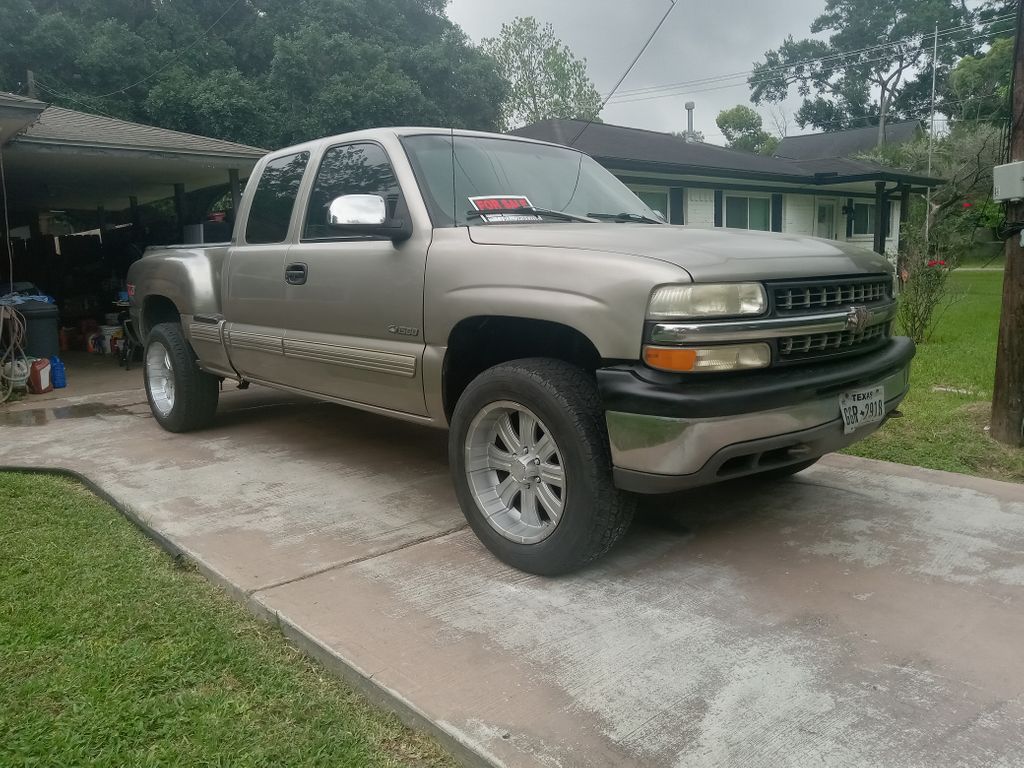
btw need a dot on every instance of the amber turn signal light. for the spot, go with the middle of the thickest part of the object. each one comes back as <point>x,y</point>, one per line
<point>670,359</point>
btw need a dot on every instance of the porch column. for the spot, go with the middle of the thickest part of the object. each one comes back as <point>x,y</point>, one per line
<point>881,217</point>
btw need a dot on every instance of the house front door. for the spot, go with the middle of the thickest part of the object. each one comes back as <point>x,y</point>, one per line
<point>825,220</point>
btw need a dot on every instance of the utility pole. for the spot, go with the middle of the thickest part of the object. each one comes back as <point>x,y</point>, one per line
<point>30,82</point>
<point>1008,392</point>
<point>931,137</point>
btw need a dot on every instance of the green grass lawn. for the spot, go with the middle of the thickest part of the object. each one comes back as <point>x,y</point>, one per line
<point>111,654</point>
<point>946,430</point>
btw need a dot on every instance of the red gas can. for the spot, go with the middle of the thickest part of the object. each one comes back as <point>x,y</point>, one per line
<point>39,377</point>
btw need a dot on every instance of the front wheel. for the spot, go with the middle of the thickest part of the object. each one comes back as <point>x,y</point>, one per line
<point>529,454</point>
<point>181,396</point>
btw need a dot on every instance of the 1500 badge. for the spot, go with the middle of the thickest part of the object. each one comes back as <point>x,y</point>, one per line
<point>403,330</point>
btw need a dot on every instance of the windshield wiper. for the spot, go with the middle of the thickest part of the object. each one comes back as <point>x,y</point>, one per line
<point>625,216</point>
<point>529,209</point>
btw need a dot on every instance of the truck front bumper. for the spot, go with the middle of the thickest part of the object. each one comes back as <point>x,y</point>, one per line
<point>669,432</point>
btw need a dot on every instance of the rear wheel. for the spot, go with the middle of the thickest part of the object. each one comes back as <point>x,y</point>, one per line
<point>529,454</point>
<point>181,396</point>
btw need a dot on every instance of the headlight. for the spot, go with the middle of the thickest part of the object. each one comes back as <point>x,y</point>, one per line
<point>712,300</point>
<point>734,357</point>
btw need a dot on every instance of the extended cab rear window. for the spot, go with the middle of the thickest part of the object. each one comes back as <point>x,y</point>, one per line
<point>274,199</point>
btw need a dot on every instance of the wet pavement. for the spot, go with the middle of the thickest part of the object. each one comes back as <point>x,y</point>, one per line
<point>860,614</point>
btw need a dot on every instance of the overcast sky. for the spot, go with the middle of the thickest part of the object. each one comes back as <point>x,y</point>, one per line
<point>701,38</point>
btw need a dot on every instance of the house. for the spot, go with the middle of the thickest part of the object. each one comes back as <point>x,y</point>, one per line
<point>849,143</point>
<point>706,185</point>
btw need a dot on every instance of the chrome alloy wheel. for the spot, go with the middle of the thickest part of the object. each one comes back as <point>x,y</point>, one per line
<point>160,375</point>
<point>515,472</point>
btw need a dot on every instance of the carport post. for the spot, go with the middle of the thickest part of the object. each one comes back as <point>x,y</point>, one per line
<point>179,209</point>
<point>236,191</point>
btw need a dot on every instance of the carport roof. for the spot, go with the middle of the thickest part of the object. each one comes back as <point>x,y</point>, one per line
<point>68,127</point>
<point>58,158</point>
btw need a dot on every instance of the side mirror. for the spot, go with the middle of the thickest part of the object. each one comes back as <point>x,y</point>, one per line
<point>367,214</point>
<point>357,210</point>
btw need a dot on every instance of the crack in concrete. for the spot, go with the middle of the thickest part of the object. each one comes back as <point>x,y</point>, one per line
<point>356,560</point>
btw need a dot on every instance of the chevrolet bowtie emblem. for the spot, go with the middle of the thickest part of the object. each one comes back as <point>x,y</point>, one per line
<point>857,318</point>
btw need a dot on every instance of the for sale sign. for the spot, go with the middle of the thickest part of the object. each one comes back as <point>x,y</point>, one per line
<point>503,207</point>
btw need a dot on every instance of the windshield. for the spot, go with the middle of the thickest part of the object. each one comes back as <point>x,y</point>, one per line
<point>503,174</point>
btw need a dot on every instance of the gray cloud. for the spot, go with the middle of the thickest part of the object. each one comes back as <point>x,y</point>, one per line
<point>700,39</point>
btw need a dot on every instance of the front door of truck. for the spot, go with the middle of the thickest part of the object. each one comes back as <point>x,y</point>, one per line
<point>253,288</point>
<point>352,326</point>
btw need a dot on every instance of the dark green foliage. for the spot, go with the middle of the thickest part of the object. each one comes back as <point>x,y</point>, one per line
<point>268,72</point>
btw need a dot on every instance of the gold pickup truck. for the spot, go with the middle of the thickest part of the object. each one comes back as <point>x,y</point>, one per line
<point>578,349</point>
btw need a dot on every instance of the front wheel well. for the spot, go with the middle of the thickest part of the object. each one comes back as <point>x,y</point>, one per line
<point>478,343</point>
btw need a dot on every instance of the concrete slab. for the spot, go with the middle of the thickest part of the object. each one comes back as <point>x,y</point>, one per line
<point>860,614</point>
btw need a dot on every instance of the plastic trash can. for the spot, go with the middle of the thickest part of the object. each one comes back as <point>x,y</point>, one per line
<point>42,339</point>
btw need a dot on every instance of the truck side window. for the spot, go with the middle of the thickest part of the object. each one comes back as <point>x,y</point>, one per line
<point>349,169</point>
<point>274,199</point>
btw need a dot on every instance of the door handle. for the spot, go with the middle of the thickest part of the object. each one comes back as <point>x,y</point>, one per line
<point>295,274</point>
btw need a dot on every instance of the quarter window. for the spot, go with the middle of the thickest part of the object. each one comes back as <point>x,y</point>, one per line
<point>274,199</point>
<point>349,169</point>
<point>748,212</point>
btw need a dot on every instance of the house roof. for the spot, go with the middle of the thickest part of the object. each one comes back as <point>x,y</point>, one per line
<point>68,127</point>
<point>817,146</point>
<point>625,148</point>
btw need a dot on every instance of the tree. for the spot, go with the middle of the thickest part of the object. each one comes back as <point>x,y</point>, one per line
<point>743,129</point>
<point>268,74</point>
<point>545,78</point>
<point>980,85</point>
<point>872,67</point>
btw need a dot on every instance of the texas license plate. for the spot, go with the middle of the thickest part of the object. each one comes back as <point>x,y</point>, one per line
<point>861,407</point>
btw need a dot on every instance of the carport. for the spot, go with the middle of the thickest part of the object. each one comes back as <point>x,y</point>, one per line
<point>85,194</point>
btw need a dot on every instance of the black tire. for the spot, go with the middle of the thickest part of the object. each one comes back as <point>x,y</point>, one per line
<point>596,513</point>
<point>195,391</point>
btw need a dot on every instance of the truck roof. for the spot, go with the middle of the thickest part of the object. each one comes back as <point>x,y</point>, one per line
<point>401,131</point>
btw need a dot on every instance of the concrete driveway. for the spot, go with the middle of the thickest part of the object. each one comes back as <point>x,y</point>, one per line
<point>861,614</point>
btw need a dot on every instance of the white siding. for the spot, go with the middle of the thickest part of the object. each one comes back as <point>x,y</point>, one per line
<point>700,208</point>
<point>798,214</point>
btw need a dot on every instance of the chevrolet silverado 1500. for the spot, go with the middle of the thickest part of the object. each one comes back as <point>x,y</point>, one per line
<point>578,349</point>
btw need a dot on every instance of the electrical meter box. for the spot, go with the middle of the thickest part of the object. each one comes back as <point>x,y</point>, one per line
<point>1008,182</point>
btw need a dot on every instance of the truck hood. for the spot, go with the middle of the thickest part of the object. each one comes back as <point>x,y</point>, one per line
<point>706,254</point>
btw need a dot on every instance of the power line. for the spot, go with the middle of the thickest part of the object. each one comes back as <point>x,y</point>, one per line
<point>672,4</point>
<point>624,96</point>
<point>72,99</point>
<point>627,99</point>
<point>699,81</point>
<point>175,59</point>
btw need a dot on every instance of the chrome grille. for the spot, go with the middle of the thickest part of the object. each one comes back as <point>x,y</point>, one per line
<point>815,345</point>
<point>823,295</point>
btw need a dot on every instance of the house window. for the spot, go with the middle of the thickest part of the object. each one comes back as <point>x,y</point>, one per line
<point>864,219</point>
<point>657,201</point>
<point>748,212</point>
